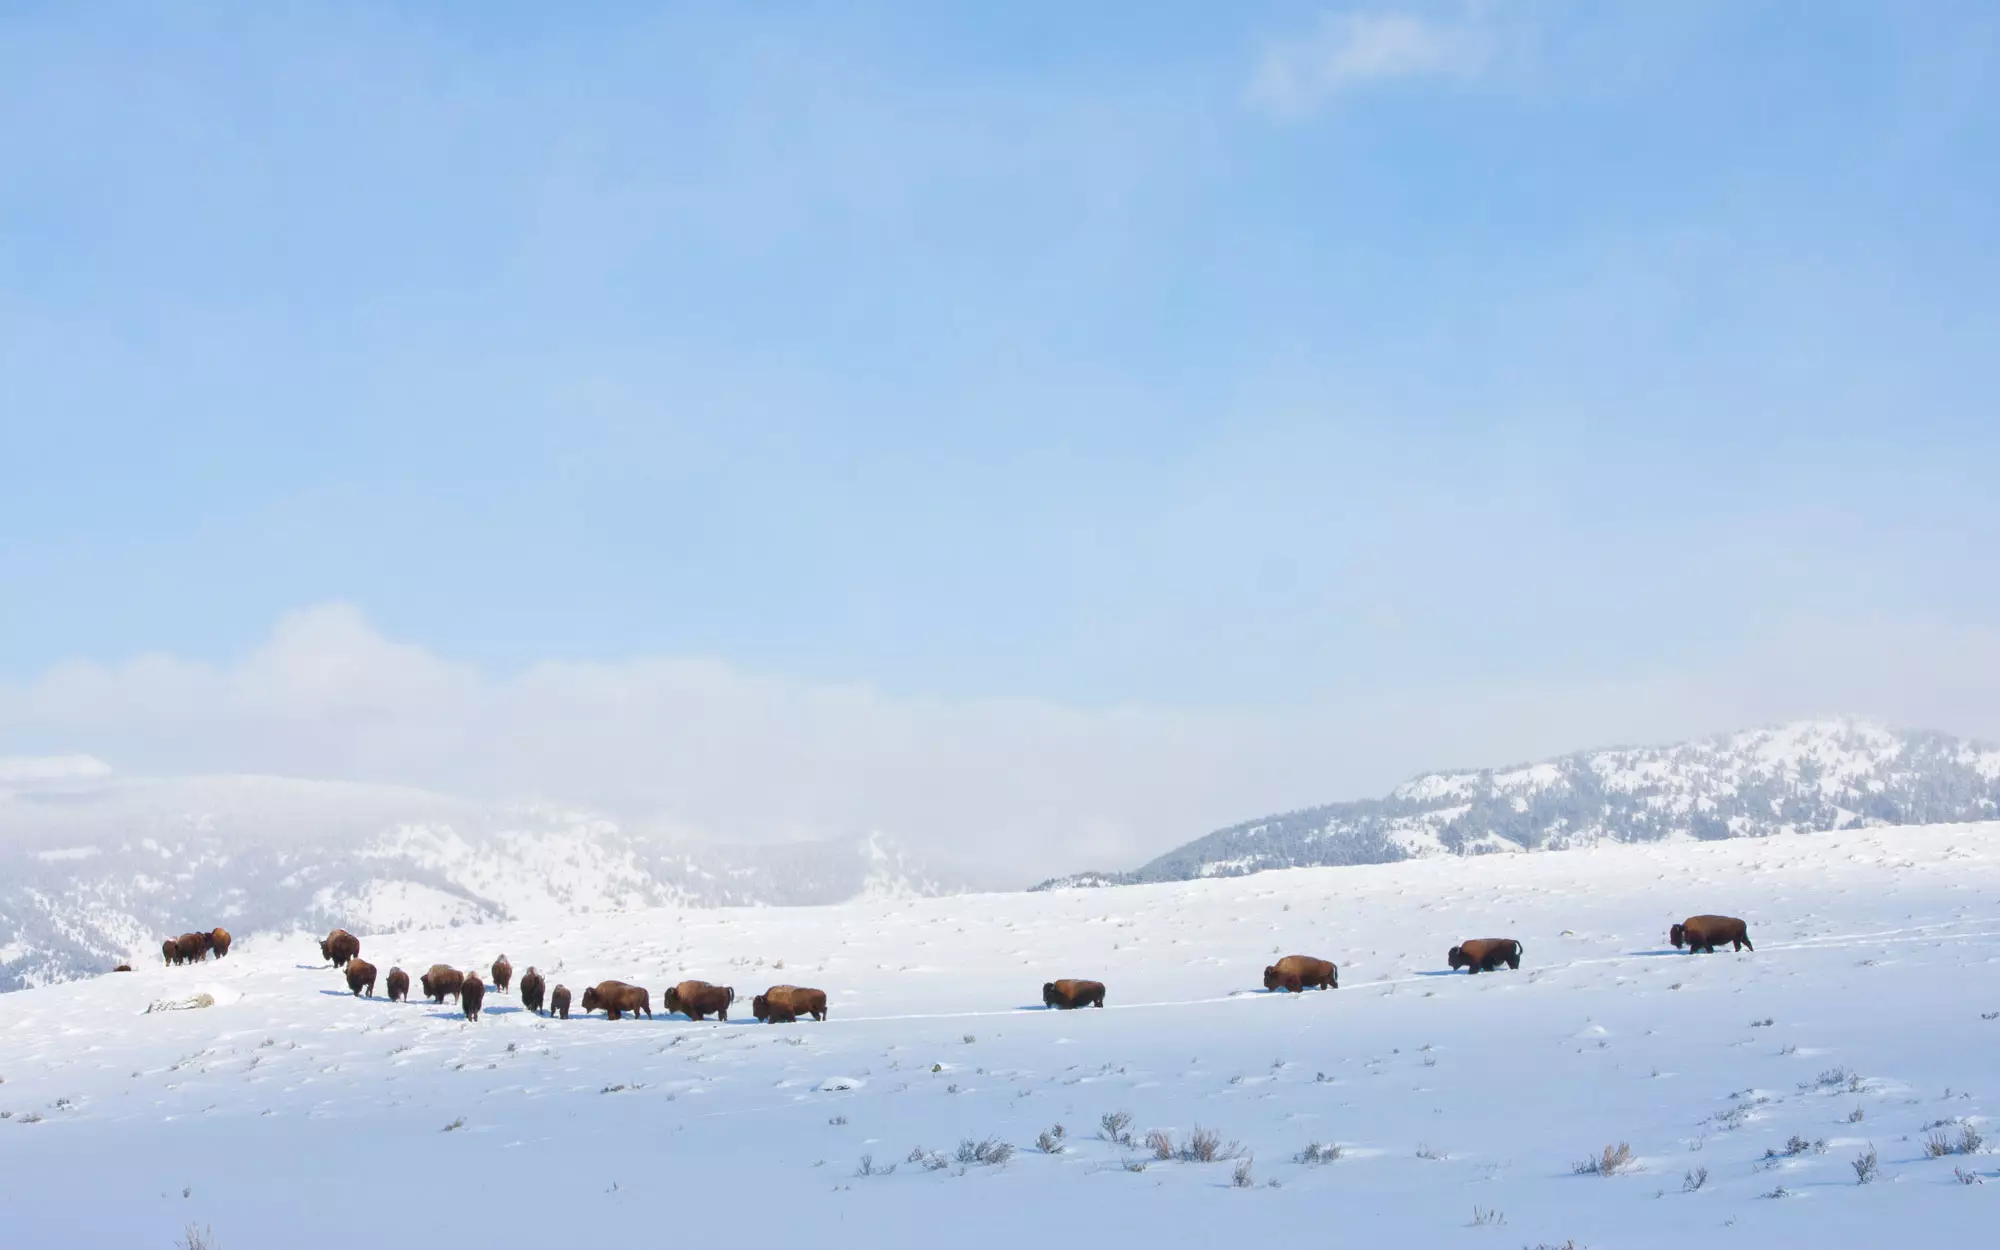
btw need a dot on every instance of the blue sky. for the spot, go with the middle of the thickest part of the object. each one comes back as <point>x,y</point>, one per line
<point>1236,362</point>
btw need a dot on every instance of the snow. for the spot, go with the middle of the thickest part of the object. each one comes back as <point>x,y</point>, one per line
<point>290,1113</point>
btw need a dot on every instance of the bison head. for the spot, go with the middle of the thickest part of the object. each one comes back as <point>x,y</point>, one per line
<point>1271,977</point>
<point>760,1007</point>
<point>1456,958</point>
<point>1048,993</point>
<point>1678,936</point>
<point>590,1000</point>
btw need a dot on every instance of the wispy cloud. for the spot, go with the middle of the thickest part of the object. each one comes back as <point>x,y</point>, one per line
<point>1351,51</point>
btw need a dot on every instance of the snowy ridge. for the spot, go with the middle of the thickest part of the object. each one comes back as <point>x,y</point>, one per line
<point>1804,777</point>
<point>95,870</point>
<point>1449,1110</point>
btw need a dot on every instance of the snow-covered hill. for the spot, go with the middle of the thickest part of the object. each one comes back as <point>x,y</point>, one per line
<point>96,869</point>
<point>1809,776</point>
<point>1410,1107</point>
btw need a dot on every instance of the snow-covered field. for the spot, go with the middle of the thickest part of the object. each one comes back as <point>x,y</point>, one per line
<point>291,1114</point>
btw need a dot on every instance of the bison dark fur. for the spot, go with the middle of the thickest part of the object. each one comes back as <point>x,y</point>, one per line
<point>1067,994</point>
<point>782,1004</point>
<point>361,977</point>
<point>695,999</point>
<point>472,995</point>
<point>441,981</point>
<point>532,987</point>
<point>1298,973</point>
<point>399,986</point>
<point>218,941</point>
<point>1485,954</point>
<point>615,998</point>
<point>503,974</point>
<point>1705,933</point>
<point>559,1001</point>
<point>339,946</point>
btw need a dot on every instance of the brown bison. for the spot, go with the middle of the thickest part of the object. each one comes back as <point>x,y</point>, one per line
<point>360,977</point>
<point>618,998</point>
<point>339,946</point>
<point>782,1004</point>
<point>559,1001</point>
<point>532,986</point>
<point>503,973</point>
<point>218,941</point>
<point>441,981</point>
<point>1485,954</point>
<point>1705,933</point>
<point>192,947</point>
<point>1066,995</point>
<point>171,951</point>
<point>399,986</point>
<point>472,994</point>
<point>123,968</point>
<point>695,999</point>
<point>1298,973</point>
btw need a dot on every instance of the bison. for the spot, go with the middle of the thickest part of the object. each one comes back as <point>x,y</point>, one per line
<point>218,941</point>
<point>361,976</point>
<point>1298,973</point>
<point>618,998</point>
<point>503,972</point>
<point>559,1001</point>
<point>339,946</point>
<point>1066,995</point>
<point>472,994</point>
<point>192,947</point>
<point>399,986</point>
<point>1705,933</point>
<point>441,981</point>
<point>123,968</point>
<point>695,999</point>
<point>782,1004</point>
<point>171,951</point>
<point>1485,954</point>
<point>532,986</point>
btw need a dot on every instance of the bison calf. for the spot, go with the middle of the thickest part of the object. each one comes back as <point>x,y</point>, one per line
<point>399,986</point>
<point>441,981</point>
<point>1066,995</point>
<point>1298,973</point>
<point>360,977</point>
<point>1485,954</point>
<point>1705,933</point>
<point>617,998</point>
<point>472,995</point>
<point>782,1004</point>
<point>559,1001</point>
<point>532,986</point>
<point>171,951</point>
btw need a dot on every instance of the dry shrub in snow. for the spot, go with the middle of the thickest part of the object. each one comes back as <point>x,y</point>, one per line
<point>1115,1126</point>
<point>195,1237</point>
<point>1609,1162</point>
<point>1866,1166</point>
<point>992,1151</point>
<point>1315,1152</point>
<point>1161,1143</point>
<point>1204,1145</point>
<point>1241,1178</point>
<point>1050,1140</point>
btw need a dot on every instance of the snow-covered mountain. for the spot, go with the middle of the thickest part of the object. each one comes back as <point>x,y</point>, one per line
<point>96,868</point>
<point>1808,776</point>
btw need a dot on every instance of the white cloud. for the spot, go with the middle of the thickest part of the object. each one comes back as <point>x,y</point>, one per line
<point>1032,787</point>
<point>1349,51</point>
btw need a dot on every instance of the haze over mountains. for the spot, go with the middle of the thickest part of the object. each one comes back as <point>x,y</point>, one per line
<point>1802,777</point>
<point>95,868</point>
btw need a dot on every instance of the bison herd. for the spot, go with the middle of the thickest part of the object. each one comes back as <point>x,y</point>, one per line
<point>784,1004</point>
<point>192,948</point>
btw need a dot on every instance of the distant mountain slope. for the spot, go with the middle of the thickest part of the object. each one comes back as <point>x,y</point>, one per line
<point>95,869</point>
<point>1807,776</point>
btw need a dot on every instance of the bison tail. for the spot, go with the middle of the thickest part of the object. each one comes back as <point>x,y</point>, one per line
<point>1746,942</point>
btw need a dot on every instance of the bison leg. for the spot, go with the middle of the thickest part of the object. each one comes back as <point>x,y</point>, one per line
<point>1745,940</point>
